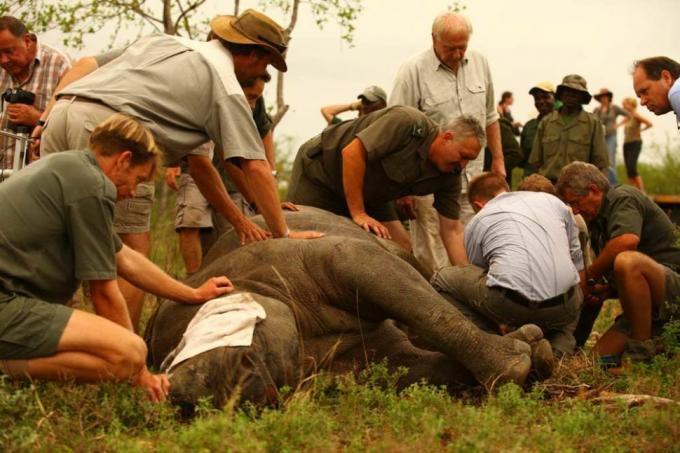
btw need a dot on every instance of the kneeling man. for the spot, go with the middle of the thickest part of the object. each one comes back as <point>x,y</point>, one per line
<point>525,256</point>
<point>56,230</point>
<point>637,252</point>
<point>356,168</point>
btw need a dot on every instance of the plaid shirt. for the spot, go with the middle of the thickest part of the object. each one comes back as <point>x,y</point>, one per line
<point>48,67</point>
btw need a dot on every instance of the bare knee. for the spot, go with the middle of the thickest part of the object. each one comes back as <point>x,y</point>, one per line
<point>127,359</point>
<point>627,263</point>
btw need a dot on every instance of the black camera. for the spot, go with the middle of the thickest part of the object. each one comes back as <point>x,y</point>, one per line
<point>17,96</point>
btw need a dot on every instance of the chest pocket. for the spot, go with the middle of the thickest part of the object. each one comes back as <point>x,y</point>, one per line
<point>578,147</point>
<point>402,168</point>
<point>551,144</point>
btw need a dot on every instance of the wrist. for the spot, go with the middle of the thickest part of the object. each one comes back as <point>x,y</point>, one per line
<point>285,234</point>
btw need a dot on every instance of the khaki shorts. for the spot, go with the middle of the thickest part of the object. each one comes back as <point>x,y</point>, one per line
<point>193,210</point>
<point>31,328</point>
<point>69,127</point>
<point>670,307</point>
<point>133,215</point>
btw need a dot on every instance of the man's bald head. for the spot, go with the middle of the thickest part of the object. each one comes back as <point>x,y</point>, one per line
<point>450,35</point>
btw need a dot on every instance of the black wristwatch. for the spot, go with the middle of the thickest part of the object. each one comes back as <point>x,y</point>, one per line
<point>40,123</point>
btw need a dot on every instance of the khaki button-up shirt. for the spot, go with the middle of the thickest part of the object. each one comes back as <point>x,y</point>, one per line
<point>558,144</point>
<point>428,85</point>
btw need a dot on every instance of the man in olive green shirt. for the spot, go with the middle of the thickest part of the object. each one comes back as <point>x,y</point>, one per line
<point>57,231</point>
<point>636,247</point>
<point>569,134</point>
<point>357,167</point>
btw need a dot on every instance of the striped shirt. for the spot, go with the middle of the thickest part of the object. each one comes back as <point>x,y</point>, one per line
<point>45,71</point>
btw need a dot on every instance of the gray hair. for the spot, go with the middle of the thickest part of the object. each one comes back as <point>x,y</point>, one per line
<point>463,127</point>
<point>450,22</point>
<point>578,176</point>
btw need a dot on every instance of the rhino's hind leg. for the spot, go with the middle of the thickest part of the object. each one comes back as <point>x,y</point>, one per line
<point>252,373</point>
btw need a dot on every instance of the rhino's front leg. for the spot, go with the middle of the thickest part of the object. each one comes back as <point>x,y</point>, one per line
<point>375,277</point>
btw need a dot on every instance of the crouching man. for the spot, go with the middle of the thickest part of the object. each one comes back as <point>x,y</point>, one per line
<point>56,231</point>
<point>637,253</point>
<point>525,256</point>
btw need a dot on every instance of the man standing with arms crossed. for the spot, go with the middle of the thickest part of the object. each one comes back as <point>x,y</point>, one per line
<point>445,82</point>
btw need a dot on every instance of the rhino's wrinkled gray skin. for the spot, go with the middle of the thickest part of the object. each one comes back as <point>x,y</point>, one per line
<point>328,304</point>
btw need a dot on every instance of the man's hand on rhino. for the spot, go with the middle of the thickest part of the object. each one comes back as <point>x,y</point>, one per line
<point>305,235</point>
<point>249,232</point>
<point>371,225</point>
<point>156,386</point>
<point>288,206</point>
<point>171,175</point>
<point>212,288</point>
<point>407,205</point>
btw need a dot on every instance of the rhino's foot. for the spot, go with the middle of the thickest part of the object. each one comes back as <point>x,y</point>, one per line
<point>501,359</point>
<point>542,357</point>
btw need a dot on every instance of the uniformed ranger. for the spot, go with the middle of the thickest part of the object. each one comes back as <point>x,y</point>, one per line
<point>357,167</point>
<point>570,133</point>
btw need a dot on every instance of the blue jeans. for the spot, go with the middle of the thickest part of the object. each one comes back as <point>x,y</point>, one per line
<point>610,142</point>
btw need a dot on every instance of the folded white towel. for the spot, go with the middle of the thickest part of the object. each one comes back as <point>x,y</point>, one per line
<point>226,321</point>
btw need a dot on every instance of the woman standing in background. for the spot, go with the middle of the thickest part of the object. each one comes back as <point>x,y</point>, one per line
<point>632,141</point>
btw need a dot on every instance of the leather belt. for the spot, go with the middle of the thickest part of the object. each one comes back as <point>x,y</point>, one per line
<point>519,299</point>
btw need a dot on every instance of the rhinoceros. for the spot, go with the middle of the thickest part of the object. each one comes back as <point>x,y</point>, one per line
<point>335,303</point>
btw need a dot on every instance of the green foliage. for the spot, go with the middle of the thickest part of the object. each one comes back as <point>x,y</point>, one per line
<point>659,178</point>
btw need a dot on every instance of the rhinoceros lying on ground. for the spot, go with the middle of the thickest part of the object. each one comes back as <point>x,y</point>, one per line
<point>329,305</point>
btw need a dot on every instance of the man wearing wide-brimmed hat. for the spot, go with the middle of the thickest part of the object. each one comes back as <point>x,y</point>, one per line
<point>570,133</point>
<point>544,101</point>
<point>607,112</point>
<point>187,92</point>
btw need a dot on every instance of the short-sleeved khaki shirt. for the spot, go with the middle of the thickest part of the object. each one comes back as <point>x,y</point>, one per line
<point>397,142</point>
<point>626,210</point>
<point>56,227</point>
<point>558,143</point>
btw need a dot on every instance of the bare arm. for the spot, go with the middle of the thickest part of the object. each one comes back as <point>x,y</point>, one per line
<point>210,184</point>
<point>268,142</point>
<point>108,302</point>
<point>141,272</point>
<point>353,172</point>
<point>239,179</point>
<point>644,121</point>
<point>451,232</point>
<point>329,111</point>
<point>493,139</point>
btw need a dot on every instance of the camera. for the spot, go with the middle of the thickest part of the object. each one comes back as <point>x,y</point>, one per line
<point>17,96</point>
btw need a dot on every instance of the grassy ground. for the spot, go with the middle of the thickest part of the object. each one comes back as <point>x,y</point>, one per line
<point>575,410</point>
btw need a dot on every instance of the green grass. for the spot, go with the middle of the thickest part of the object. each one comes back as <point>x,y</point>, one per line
<point>357,412</point>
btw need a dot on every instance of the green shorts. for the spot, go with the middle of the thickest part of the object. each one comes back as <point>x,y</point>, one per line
<point>31,328</point>
<point>669,309</point>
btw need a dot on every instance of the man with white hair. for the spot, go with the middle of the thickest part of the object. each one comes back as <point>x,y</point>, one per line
<point>445,82</point>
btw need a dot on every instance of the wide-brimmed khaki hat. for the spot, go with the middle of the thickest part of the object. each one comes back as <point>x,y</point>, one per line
<point>542,86</point>
<point>604,92</point>
<point>577,83</point>
<point>373,94</point>
<point>253,27</point>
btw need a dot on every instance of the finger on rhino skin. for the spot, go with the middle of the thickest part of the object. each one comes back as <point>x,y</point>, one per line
<point>320,295</point>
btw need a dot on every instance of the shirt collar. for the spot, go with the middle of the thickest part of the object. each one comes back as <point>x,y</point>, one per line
<point>437,64</point>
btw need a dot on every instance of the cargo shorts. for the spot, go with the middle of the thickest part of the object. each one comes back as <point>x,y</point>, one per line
<point>69,127</point>
<point>30,328</point>
<point>193,210</point>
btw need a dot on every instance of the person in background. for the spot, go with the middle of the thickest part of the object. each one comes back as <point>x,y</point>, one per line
<point>371,99</point>
<point>632,141</point>
<point>28,65</point>
<point>544,101</point>
<point>570,133</point>
<point>608,112</point>
<point>503,108</point>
